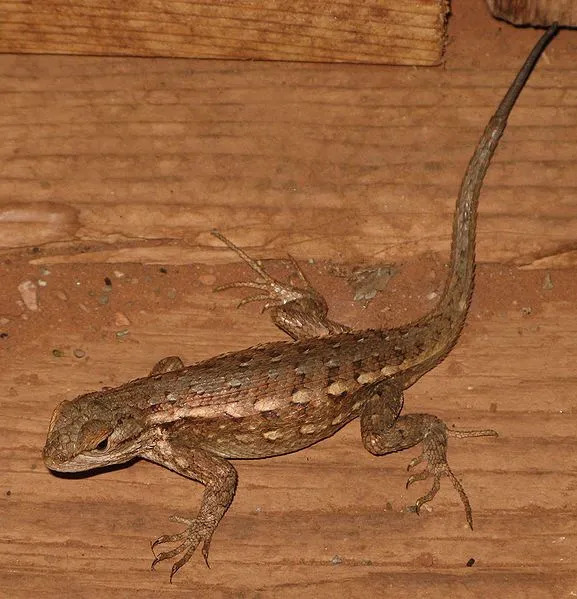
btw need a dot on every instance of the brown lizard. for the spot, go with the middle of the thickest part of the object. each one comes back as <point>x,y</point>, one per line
<point>281,397</point>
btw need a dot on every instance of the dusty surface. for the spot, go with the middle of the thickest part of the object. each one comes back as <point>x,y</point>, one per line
<point>113,172</point>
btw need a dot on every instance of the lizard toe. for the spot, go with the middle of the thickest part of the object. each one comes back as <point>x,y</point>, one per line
<point>188,540</point>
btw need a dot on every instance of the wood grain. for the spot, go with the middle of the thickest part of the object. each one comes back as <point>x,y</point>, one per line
<point>118,168</point>
<point>373,31</point>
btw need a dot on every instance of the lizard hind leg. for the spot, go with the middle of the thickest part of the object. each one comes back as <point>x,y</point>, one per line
<point>384,431</point>
<point>297,309</point>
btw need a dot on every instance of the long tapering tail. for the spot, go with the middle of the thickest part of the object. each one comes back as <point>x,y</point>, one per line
<point>454,302</point>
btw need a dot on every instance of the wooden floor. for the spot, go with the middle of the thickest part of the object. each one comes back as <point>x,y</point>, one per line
<point>115,170</point>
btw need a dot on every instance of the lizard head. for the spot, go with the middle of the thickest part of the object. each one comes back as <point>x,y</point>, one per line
<point>91,432</point>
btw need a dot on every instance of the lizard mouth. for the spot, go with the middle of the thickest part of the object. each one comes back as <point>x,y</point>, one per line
<point>53,460</point>
<point>59,461</point>
<point>56,465</point>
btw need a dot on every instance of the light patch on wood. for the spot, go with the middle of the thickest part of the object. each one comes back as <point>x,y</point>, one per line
<point>307,429</point>
<point>272,435</point>
<point>235,383</point>
<point>302,396</point>
<point>357,405</point>
<point>368,377</point>
<point>338,419</point>
<point>276,358</point>
<point>338,388</point>
<point>266,404</point>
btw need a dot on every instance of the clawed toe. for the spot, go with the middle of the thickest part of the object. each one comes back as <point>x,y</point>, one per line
<point>435,455</point>
<point>424,475</point>
<point>416,461</point>
<point>295,306</point>
<point>188,540</point>
<point>274,293</point>
<point>439,471</point>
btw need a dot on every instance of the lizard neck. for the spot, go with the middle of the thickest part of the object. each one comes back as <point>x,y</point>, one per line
<point>444,324</point>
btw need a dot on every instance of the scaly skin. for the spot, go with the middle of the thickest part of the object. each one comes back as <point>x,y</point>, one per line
<point>281,397</point>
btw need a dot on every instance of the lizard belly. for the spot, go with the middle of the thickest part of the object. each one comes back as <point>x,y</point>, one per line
<point>272,432</point>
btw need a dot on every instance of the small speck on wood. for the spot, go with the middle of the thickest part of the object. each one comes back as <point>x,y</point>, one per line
<point>471,562</point>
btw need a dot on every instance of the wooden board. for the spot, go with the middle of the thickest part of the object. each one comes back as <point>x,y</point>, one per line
<point>118,168</point>
<point>373,31</point>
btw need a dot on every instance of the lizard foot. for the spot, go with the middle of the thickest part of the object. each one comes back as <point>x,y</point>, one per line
<point>297,309</point>
<point>273,292</point>
<point>188,540</point>
<point>435,454</point>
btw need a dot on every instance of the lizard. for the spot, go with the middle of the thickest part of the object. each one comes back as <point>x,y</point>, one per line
<point>284,396</point>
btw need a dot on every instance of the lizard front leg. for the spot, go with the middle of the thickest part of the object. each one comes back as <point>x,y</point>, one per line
<point>298,310</point>
<point>219,478</point>
<point>384,431</point>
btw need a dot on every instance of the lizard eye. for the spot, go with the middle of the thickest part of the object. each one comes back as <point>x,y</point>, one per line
<point>103,445</point>
<point>94,435</point>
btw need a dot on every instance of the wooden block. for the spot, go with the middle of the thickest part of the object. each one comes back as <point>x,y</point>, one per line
<point>375,31</point>
<point>535,12</point>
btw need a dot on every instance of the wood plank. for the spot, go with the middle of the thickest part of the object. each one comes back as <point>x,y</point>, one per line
<point>374,31</point>
<point>147,154</point>
<point>118,168</point>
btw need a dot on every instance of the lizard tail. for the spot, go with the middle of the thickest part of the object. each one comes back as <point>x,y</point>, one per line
<point>455,299</point>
